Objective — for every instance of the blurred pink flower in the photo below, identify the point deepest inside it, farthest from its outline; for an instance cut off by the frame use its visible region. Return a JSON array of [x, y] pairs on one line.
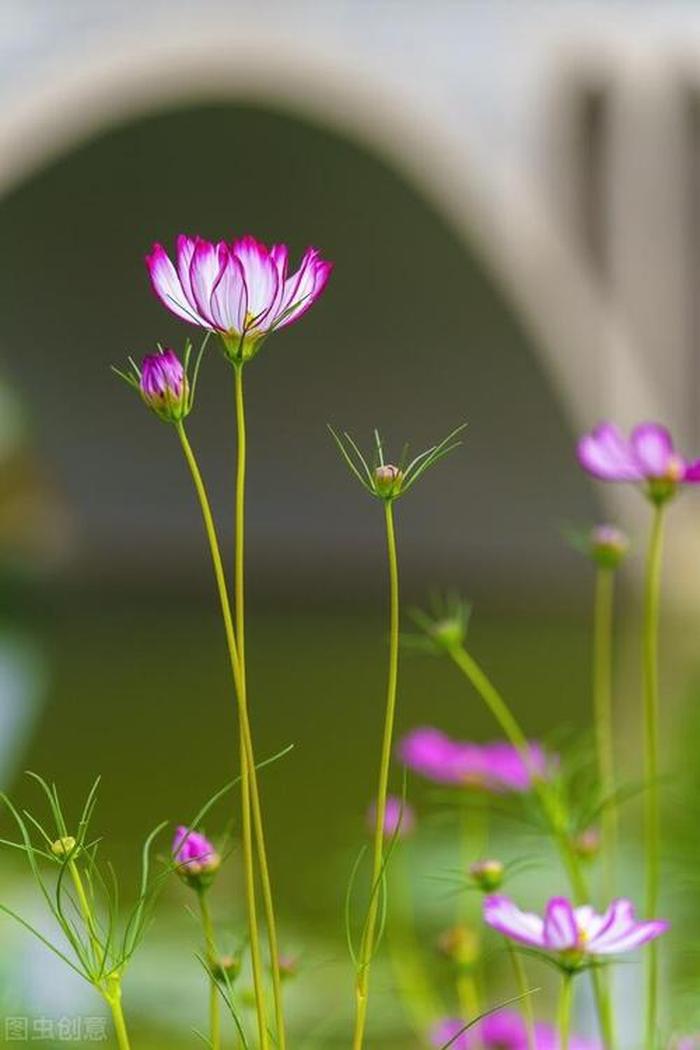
[[496, 767], [502, 1030], [399, 818], [647, 456], [242, 290]]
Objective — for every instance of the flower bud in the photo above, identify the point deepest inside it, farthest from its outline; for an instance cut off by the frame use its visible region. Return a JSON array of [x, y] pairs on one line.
[[164, 387], [587, 844], [226, 967], [487, 874], [196, 858], [387, 481], [608, 546], [460, 945], [399, 818], [64, 847], [288, 966]]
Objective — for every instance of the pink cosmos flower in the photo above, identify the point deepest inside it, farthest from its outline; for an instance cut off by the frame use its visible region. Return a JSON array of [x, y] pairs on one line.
[[242, 289], [502, 1030], [193, 852], [646, 457], [573, 933], [493, 767], [399, 818]]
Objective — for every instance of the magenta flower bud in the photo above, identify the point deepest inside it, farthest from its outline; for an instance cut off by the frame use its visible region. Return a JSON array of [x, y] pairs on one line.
[[487, 874], [196, 858], [387, 481], [164, 387], [399, 818], [608, 545]]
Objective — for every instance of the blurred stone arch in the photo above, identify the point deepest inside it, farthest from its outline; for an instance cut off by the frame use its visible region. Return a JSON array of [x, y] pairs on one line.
[[103, 159]]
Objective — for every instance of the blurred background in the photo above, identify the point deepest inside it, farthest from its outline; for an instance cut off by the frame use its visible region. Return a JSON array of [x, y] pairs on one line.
[[510, 192]]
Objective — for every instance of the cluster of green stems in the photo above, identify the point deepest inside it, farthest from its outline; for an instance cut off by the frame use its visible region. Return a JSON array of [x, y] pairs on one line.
[[254, 849]]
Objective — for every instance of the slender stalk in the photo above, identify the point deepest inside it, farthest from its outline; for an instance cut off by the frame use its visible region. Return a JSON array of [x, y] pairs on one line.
[[412, 978], [246, 741], [214, 1006], [564, 1010], [115, 1004], [602, 709], [246, 763], [521, 984], [368, 939], [84, 904], [472, 836], [110, 988], [501, 712], [652, 592], [551, 809]]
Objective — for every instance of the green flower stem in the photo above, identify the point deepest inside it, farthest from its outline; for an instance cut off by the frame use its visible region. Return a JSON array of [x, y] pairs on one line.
[[114, 999], [551, 808], [602, 709], [84, 905], [473, 825], [523, 987], [368, 940], [564, 1010], [652, 591], [412, 978], [110, 986], [239, 576], [214, 1006], [246, 763]]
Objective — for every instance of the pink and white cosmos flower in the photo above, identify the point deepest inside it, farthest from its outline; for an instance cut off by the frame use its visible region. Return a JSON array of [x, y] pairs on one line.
[[573, 933], [241, 289], [647, 457]]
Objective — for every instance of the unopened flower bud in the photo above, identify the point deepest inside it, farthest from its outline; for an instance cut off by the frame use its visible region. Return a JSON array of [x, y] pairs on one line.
[[460, 945], [487, 874], [608, 545], [399, 819], [587, 844], [387, 480], [196, 858], [226, 967], [164, 387], [64, 847], [288, 966]]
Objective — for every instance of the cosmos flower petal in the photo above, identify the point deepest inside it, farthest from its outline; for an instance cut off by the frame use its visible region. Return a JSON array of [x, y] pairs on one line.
[[206, 268], [692, 473], [229, 300], [606, 454], [167, 286], [303, 288], [262, 278], [184, 251], [503, 915], [560, 929], [634, 937], [620, 931], [653, 448]]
